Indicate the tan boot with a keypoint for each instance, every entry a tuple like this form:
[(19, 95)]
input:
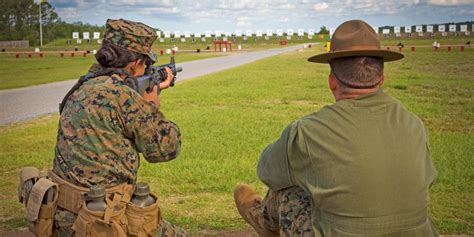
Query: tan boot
[(249, 205)]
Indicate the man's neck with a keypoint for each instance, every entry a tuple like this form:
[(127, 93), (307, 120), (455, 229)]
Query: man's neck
[(350, 93)]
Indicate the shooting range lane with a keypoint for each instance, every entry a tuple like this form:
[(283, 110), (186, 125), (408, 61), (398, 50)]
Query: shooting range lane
[(29, 102), (205, 66)]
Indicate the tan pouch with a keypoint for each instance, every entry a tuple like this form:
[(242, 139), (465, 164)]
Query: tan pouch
[(41, 216), (143, 221), (26, 174), (102, 224)]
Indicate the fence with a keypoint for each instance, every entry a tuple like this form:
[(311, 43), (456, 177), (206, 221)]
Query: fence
[(15, 44)]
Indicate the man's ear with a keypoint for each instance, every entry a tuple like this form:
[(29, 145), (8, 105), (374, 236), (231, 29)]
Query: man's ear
[(332, 82), (383, 80), (138, 62)]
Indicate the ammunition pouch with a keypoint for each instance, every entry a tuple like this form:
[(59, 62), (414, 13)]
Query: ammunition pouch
[(120, 218), (40, 215)]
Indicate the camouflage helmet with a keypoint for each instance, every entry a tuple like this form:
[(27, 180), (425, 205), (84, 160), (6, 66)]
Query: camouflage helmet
[(130, 35)]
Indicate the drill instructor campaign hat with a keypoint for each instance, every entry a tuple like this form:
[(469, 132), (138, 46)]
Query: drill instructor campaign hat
[(131, 35), (355, 38)]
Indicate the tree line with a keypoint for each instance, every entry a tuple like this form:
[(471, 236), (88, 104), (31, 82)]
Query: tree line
[(19, 20)]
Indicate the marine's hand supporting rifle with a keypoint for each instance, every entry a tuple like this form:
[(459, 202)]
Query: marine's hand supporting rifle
[(157, 78)]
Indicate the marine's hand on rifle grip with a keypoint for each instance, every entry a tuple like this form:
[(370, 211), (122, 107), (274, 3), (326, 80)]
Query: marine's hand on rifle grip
[(167, 83), (152, 96)]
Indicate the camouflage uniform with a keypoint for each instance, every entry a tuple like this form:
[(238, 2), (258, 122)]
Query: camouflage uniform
[(288, 211), (105, 124)]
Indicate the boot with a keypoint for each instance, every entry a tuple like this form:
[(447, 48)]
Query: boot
[(249, 205)]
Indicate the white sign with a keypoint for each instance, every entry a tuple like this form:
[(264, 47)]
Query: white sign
[(300, 32), (311, 32), (177, 34), (407, 29), (208, 34), (452, 28), (396, 29), (280, 32), (429, 29), (248, 33), (290, 32), (75, 35), (158, 34), (419, 29), (85, 35), (238, 33), (386, 31), (96, 35), (441, 28), (259, 33), (463, 28), (167, 34)]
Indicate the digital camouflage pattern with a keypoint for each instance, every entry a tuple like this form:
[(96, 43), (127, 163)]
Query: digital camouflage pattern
[(130, 35), (103, 127), (288, 211)]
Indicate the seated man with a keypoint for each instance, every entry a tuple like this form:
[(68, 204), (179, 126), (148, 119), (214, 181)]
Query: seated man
[(358, 167)]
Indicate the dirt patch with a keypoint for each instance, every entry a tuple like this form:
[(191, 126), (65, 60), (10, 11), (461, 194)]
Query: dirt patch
[(240, 233)]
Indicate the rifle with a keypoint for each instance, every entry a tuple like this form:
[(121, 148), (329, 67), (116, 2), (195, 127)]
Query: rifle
[(155, 74)]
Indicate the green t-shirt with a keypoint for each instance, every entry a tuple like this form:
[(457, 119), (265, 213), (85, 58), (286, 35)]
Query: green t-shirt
[(365, 162)]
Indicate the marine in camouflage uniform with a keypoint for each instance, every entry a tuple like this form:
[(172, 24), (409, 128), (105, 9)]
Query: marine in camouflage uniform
[(105, 124)]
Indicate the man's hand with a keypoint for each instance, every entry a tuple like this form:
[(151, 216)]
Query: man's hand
[(153, 96), (167, 83)]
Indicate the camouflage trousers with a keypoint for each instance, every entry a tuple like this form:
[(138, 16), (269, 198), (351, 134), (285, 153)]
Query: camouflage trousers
[(63, 221), (288, 211)]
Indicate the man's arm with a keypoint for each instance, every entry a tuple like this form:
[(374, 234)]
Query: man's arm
[(273, 166)]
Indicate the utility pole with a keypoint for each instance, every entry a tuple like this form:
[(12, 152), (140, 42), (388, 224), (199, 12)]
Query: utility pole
[(41, 24)]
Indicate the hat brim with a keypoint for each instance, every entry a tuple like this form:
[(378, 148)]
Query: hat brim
[(152, 56), (387, 55)]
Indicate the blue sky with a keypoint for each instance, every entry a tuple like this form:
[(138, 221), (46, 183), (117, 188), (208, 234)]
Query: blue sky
[(227, 15)]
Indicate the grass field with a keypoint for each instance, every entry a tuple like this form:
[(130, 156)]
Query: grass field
[(227, 118), (24, 71)]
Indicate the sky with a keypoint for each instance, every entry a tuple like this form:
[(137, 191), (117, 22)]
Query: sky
[(232, 15)]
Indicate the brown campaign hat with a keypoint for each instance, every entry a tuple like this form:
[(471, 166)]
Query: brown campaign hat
[(355, 38)]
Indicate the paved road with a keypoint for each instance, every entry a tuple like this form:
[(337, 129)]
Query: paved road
[(29, 102)]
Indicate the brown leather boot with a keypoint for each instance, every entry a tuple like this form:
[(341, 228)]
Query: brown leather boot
[(249, 205)]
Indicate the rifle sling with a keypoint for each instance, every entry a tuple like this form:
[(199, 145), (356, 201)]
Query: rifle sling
[(129, 81)]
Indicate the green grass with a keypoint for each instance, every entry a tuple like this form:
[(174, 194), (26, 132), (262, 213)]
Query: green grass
[(24, 71), (227, 118), (443, 40)]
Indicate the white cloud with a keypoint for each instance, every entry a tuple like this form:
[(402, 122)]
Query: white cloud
[(247, 14), (321, 6), (451, 2)]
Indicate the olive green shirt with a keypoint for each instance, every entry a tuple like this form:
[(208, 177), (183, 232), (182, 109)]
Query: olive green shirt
[(365, 162)]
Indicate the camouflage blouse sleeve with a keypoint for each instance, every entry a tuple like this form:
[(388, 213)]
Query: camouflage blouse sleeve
[(156, 137)]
